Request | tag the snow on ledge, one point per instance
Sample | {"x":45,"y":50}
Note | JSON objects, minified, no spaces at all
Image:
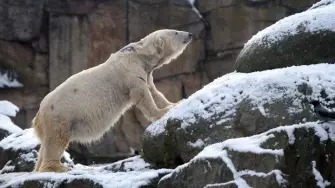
{"x":224,"y":93}
{"x":314,"y":20}
{"x":25,"y":140}
{"x":8,"y":109}
{"x":5,"y":81}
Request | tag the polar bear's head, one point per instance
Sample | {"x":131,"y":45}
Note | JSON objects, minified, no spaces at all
{"x":162,"y":46}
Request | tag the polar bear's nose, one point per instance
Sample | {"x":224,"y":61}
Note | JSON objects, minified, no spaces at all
{"x":190,"y":35}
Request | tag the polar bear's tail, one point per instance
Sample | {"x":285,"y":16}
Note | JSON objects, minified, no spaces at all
{"x":35,"y":125}
{"x":33,"y":122}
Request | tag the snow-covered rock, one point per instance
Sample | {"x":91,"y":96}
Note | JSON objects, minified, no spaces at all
{"x":18,"y":152}
{"x":7,"y":81}
{"x":7,"y":110}
{"x":236,"y":105}
{"x":298,"y":155}
{"x":132,"y":172}
{"x":301,"y":39}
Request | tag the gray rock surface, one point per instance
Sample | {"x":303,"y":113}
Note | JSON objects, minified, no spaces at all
{"x":291,"y":156}
{"x":21,"y":19}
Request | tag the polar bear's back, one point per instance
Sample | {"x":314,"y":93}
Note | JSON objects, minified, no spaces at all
{"x":89,"y":100}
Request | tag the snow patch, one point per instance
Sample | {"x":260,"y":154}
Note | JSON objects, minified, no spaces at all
{"x":277,"y":173}
{"x":130,"y":164}
{"x":212,"y":185}
{"x":8,"y":109}
{"x":318,"y":177}
{"x":7,"y":124}
{"x":29,"y":157}
{"x":262,"y":110}
{"x":7,"y":167}
{"x":6,"y":81}
{"x":197,"y":144}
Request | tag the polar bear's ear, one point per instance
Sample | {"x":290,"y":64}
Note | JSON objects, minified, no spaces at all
{"x":159,"y":44}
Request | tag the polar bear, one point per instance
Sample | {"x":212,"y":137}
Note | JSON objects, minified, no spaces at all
{"x":88,"y":103}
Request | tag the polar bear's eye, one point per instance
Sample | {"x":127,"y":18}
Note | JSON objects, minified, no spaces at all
{"x":176,"y":33}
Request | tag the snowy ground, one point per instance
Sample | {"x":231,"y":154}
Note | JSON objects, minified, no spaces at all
{"x":318,"y":18}
{"x":224,"y":93}
{"x":137,"y":175}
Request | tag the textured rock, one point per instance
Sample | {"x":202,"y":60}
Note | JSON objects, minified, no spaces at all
{"x":194,"y":82}
{"x":221,"y":64}
{"x":69,"y":38}
{"x":198,"y":174}
{"x":208,"y":5}
{"x":41,"y":44}
{"x":298,"y":4}
{"x":233,"y":108}
{"x":294,"y":40}
{"x":171,"y":88}
{"x":288,"y":156}
{"x":21,"y":63}
{"x":21,"y":19}
{"x":15,"y":96}
{"x":71,"y":6}
{"x":17,"y":161}
{"x":107,"y":22}
{"x":232,"y":32}
{"x":40,"y":66}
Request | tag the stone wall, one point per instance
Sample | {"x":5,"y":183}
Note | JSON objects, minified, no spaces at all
{"x":46,"y":41}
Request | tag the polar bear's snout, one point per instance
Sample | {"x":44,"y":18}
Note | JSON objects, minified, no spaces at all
{"x":188,"y":38}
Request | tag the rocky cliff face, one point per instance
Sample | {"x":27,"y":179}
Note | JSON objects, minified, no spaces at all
{"x":46,"y":41}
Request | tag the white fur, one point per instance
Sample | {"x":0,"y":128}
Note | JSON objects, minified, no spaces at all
{"x":88,"y":103}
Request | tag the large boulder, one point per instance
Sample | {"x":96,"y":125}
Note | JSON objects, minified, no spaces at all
{"x":236,"y":105}
{"x":297,"y":155}
{"x":301,"y":39}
